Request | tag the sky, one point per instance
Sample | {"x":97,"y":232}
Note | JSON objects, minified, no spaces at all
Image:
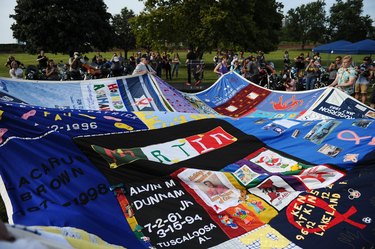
{"x":115,"y":6}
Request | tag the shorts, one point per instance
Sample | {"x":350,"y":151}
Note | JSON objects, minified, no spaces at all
{"x":362,"y":88}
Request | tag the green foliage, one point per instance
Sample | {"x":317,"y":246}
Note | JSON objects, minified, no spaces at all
{"x":12,"y":48}
{"x":347,"y":23}
{"x":206,"y":25}
{"x":267,"y":18}
{"x":307,"y":23}
{"x":62,"y":26}
{"x":125,"y":38}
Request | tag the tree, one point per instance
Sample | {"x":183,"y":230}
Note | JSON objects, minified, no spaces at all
{"x":307,"y":23}
{"x":347,"y":23}
{"x":125,"y":38}
{"x":62,"y":26}
{"x":208,"y":24}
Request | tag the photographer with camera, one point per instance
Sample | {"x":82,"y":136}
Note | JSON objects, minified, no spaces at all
{"x":365,"y":71}
{"x":312,"y":73}
{"x":333,"y":68}
{"x":74,"y":66}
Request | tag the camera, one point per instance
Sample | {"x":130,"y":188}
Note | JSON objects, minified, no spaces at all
{"x":365,"y":73}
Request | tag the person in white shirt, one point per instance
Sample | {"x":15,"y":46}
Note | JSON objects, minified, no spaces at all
{"x":15,"y":72}
{"x":144,"y":67}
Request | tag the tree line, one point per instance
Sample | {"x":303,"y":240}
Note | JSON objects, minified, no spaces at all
{"x":63,"y":26}
{"x":310,"y":23}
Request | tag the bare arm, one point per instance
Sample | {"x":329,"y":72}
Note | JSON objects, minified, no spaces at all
{"x":350,"y":82}
{"x":334,"y":83}
{"x":216,"y":69}
{"x":137,"y":71}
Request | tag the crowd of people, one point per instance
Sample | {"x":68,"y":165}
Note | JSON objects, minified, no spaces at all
{"x":81,"y":67}
{"x":303,"y":70}
{"x":299,"y":73}
{"x":156,"y":63}
{"x":340,"y":73}
{"x":253,"y":67}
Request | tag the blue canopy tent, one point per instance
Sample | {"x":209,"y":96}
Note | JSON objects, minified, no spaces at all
{"x":329,"y":47}
{"x":362,"y":47}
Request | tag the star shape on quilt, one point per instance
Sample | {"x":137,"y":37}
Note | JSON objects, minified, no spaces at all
{"x":143,"y":102}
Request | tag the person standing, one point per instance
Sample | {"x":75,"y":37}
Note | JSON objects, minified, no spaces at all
{"x":365,"y":71}
{"x":346,"y":76}
{"x":261,"y":58}
{"x":121,"y":59}
{"x":222,"y":67}
{"x":158,"y":61}
{"x":175,"y":64}
{"x":42,"y":60}
{"x":138,"y":57}
{"x":299,"y":63}
{"x":253,"y":69}
{"x":168,"y":66}
{"x":317,"y":57}
{"x":286,"y":59}
{"x":241,"y":57}
{"x":333,"y":68}
{"x":74,"y":66}
{"x":312,"y":72}
{"x":236,"y":67}
{"x":116,"y":66}
{"x":143,"y":66}
{"x":245,"y":69}
{"x":216,"y":58}
{"x":190,"y":57}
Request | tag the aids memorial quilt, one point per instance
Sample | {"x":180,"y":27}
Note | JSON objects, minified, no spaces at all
{"x":151,"y":175}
